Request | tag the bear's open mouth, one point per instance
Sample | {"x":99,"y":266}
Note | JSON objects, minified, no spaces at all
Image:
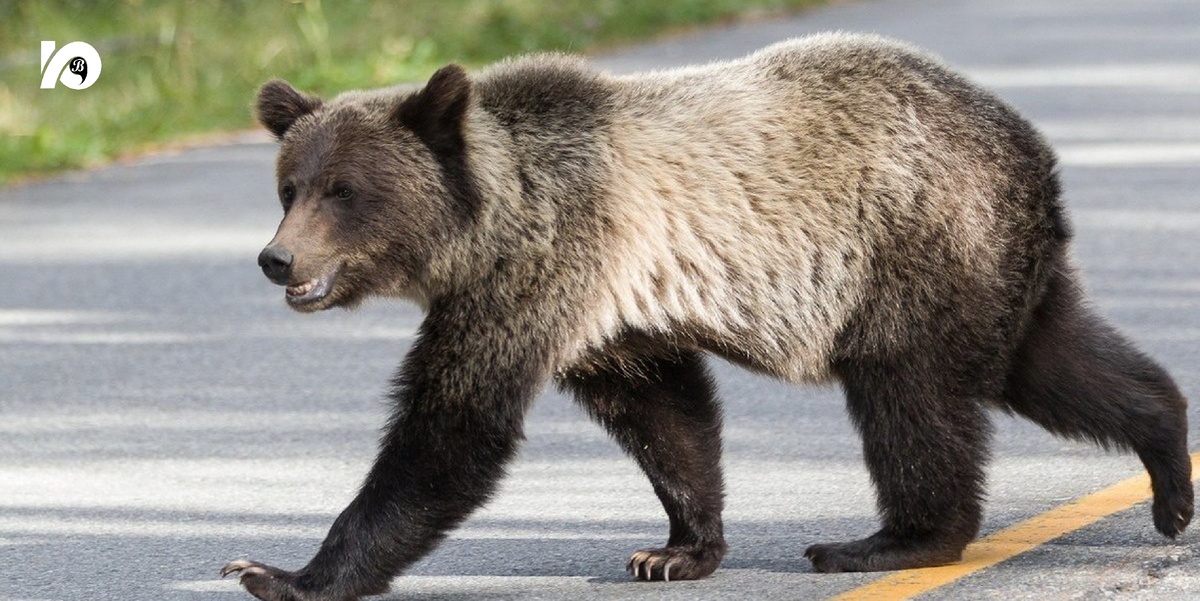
{"x":312,"y":290}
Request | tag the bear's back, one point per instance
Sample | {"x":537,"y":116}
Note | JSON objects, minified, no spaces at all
{"x":769,"y":202}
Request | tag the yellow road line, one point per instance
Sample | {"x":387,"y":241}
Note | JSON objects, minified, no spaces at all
{"x":1012,"y":541}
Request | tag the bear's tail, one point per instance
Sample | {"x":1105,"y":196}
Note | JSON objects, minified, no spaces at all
{"x":1079,"y":378}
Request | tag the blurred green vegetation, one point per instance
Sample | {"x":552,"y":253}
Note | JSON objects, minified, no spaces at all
{"x":175,"y":69}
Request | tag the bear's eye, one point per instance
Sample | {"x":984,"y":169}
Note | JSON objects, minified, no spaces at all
{"x":287,"y":194}
{"x":343,"y":192}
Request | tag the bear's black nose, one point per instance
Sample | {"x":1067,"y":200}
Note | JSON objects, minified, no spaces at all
{"x":276,"y":263}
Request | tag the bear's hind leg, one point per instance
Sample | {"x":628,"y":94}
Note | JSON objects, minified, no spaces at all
{"x":925,"y":449}
{"x":664,"y":413}
{"x":1078,"y":377}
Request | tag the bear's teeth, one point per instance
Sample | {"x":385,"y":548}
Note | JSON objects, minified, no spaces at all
{"x":300,"y":289}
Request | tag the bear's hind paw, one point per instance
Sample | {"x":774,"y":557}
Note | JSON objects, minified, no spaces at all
{"x":882,"y":552}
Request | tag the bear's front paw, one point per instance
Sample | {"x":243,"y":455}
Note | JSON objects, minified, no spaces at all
{"x":690,"y":562}
{"x":265,"y":582}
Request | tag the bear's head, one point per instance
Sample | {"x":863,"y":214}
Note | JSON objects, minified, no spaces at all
{"x":372,"y":185}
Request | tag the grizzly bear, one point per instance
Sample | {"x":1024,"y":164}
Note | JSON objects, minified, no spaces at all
{"x":836,"y":208}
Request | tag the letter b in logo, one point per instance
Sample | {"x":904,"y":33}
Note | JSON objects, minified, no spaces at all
{"x":76,"y":65}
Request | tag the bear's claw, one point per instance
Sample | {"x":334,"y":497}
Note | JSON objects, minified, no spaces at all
{"x":686,"y":563}
{"x":264,"y":581}
{"x":241,"y":565}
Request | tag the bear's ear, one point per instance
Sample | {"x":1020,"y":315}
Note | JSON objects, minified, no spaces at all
{"x":436,"y":113}
{"x":279,"y":105}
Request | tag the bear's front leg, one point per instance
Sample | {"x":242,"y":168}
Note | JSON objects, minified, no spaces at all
{"x":461,"y":398}
{"x":663,"y":411}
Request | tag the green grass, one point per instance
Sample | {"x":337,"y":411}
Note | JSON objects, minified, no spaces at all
{"x":176,"y":69}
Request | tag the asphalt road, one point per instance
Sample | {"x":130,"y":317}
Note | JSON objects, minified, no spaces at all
{"x":162,"y":411}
